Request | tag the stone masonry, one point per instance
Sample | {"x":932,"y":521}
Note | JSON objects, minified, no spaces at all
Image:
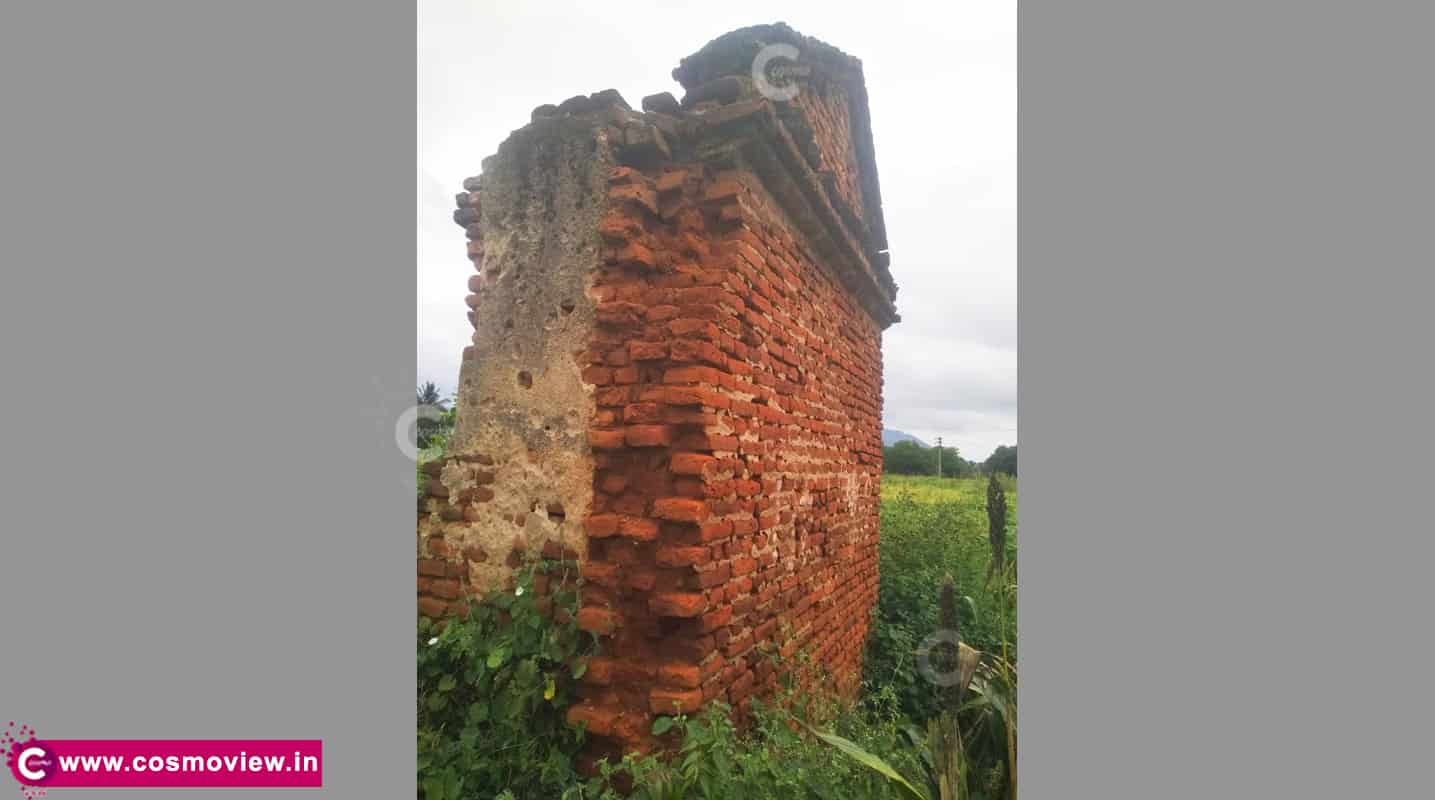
{"x":676,"y":380}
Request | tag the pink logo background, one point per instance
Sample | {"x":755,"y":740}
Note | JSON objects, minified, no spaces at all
{"x":151,"y":762}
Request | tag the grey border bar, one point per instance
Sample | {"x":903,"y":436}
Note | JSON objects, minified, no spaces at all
{"x":1225,"y":395}
{"x":207,"y":318}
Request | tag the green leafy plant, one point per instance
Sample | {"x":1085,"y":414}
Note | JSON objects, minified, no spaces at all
{"x":931,"y":528}
{"x":433,"y":432}
{"x":989,"y":722}
{"x":493,"y":689}
{"x":875,"y":763}
{"x":776,"y":756}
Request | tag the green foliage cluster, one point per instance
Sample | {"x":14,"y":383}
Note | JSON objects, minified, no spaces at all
{"x":909,"y":458}
{"x":431,"y":434}
{"x":493,"y":690}
{"x":776,"y":758}
{"x":931,"y":528}
{"x":1002,"y":459}
{"x":965,"y":754}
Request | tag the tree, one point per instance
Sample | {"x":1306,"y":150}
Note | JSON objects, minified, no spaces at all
{"x":429,"y":429}
{"x":1002,"y":459}
{"x":910,"y":458}
{"x":428,"y":395}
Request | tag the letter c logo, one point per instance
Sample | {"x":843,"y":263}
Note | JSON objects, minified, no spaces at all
{"x":22,"y":763}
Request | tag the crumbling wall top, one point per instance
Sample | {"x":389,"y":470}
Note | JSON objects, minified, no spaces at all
{"x":788,"y":107}
{"x":814,"y":64}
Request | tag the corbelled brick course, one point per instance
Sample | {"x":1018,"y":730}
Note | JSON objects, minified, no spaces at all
{"x":676,"y":379}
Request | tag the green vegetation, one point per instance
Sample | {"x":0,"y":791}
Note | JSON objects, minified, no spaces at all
{"x":910,"y":458}
{"x":1002,"y":459}
{"x":932,"y":528}
{"x":493,"y":689}
{"x":431,"y":434}
{"x":776,"y":758}
{"x":433,"y":428}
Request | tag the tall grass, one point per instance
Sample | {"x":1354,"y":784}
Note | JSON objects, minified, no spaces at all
{"x":932,"y":527}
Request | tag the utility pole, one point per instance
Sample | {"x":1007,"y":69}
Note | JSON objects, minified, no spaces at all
{"x":939,"y":456}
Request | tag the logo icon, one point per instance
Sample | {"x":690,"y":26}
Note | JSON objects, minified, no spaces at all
{"x":781,"y":52}
{"x":31,"y":761}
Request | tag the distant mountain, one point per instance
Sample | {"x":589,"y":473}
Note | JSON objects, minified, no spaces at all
{"x":891,"y":437}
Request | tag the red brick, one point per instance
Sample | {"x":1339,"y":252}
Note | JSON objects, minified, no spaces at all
{"x":741,"y":688}
{"x":680,"y":509}
{"x":661,"y":313}
{"x":680,"y":675}
{"x":636,"y":193}
{"x":598,"y":376}
{"x":723,"y":190}
{"x":647,"y":351}
{"x":681,"y":556}
{"x":691,"y":463}
{"x":671,"y":181}
{"x":615,"y":228}
{"x":606,"y":439}
{"x":432,"y":607}
{"x":625,"y":375}
{"x":674,"y":701}
{"x":640,"y":579}
{"x":595,"y":719}
{"x":600,"y":525}
{"x":597,"y":621}
{"x":688,"y":350}
{"x":619,"y":313}
{"x":676,"y":604}
{"x":685,"y":396}
{"x":612,"y":483}
{"x":714,"y":576}
{"x":642,"y":413}
{"x":685,"y":327}
{"x":638,"y":528}
{"x":715,"y":530}
{"x":648,"y":435}
{"x":600,"y":573}
{"x":635,"y":255}
{"x":692,"y":375}
{"x":599,"y":671}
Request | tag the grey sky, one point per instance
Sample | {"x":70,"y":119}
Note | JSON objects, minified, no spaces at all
{"x":941,"y":79}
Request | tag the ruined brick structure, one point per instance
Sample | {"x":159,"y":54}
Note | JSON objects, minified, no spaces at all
{"x":676,"y":379}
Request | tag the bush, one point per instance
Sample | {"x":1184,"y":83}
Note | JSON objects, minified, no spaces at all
{"x":777,"y":758}
{"x":493,"y":690}
{"x":931,"y":528}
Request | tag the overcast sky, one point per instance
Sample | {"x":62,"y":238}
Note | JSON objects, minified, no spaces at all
{"x":941,"y":79}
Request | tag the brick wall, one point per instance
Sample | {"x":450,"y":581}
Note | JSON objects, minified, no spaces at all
{"x":711,"y":420}
{"x":824,"y":108}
